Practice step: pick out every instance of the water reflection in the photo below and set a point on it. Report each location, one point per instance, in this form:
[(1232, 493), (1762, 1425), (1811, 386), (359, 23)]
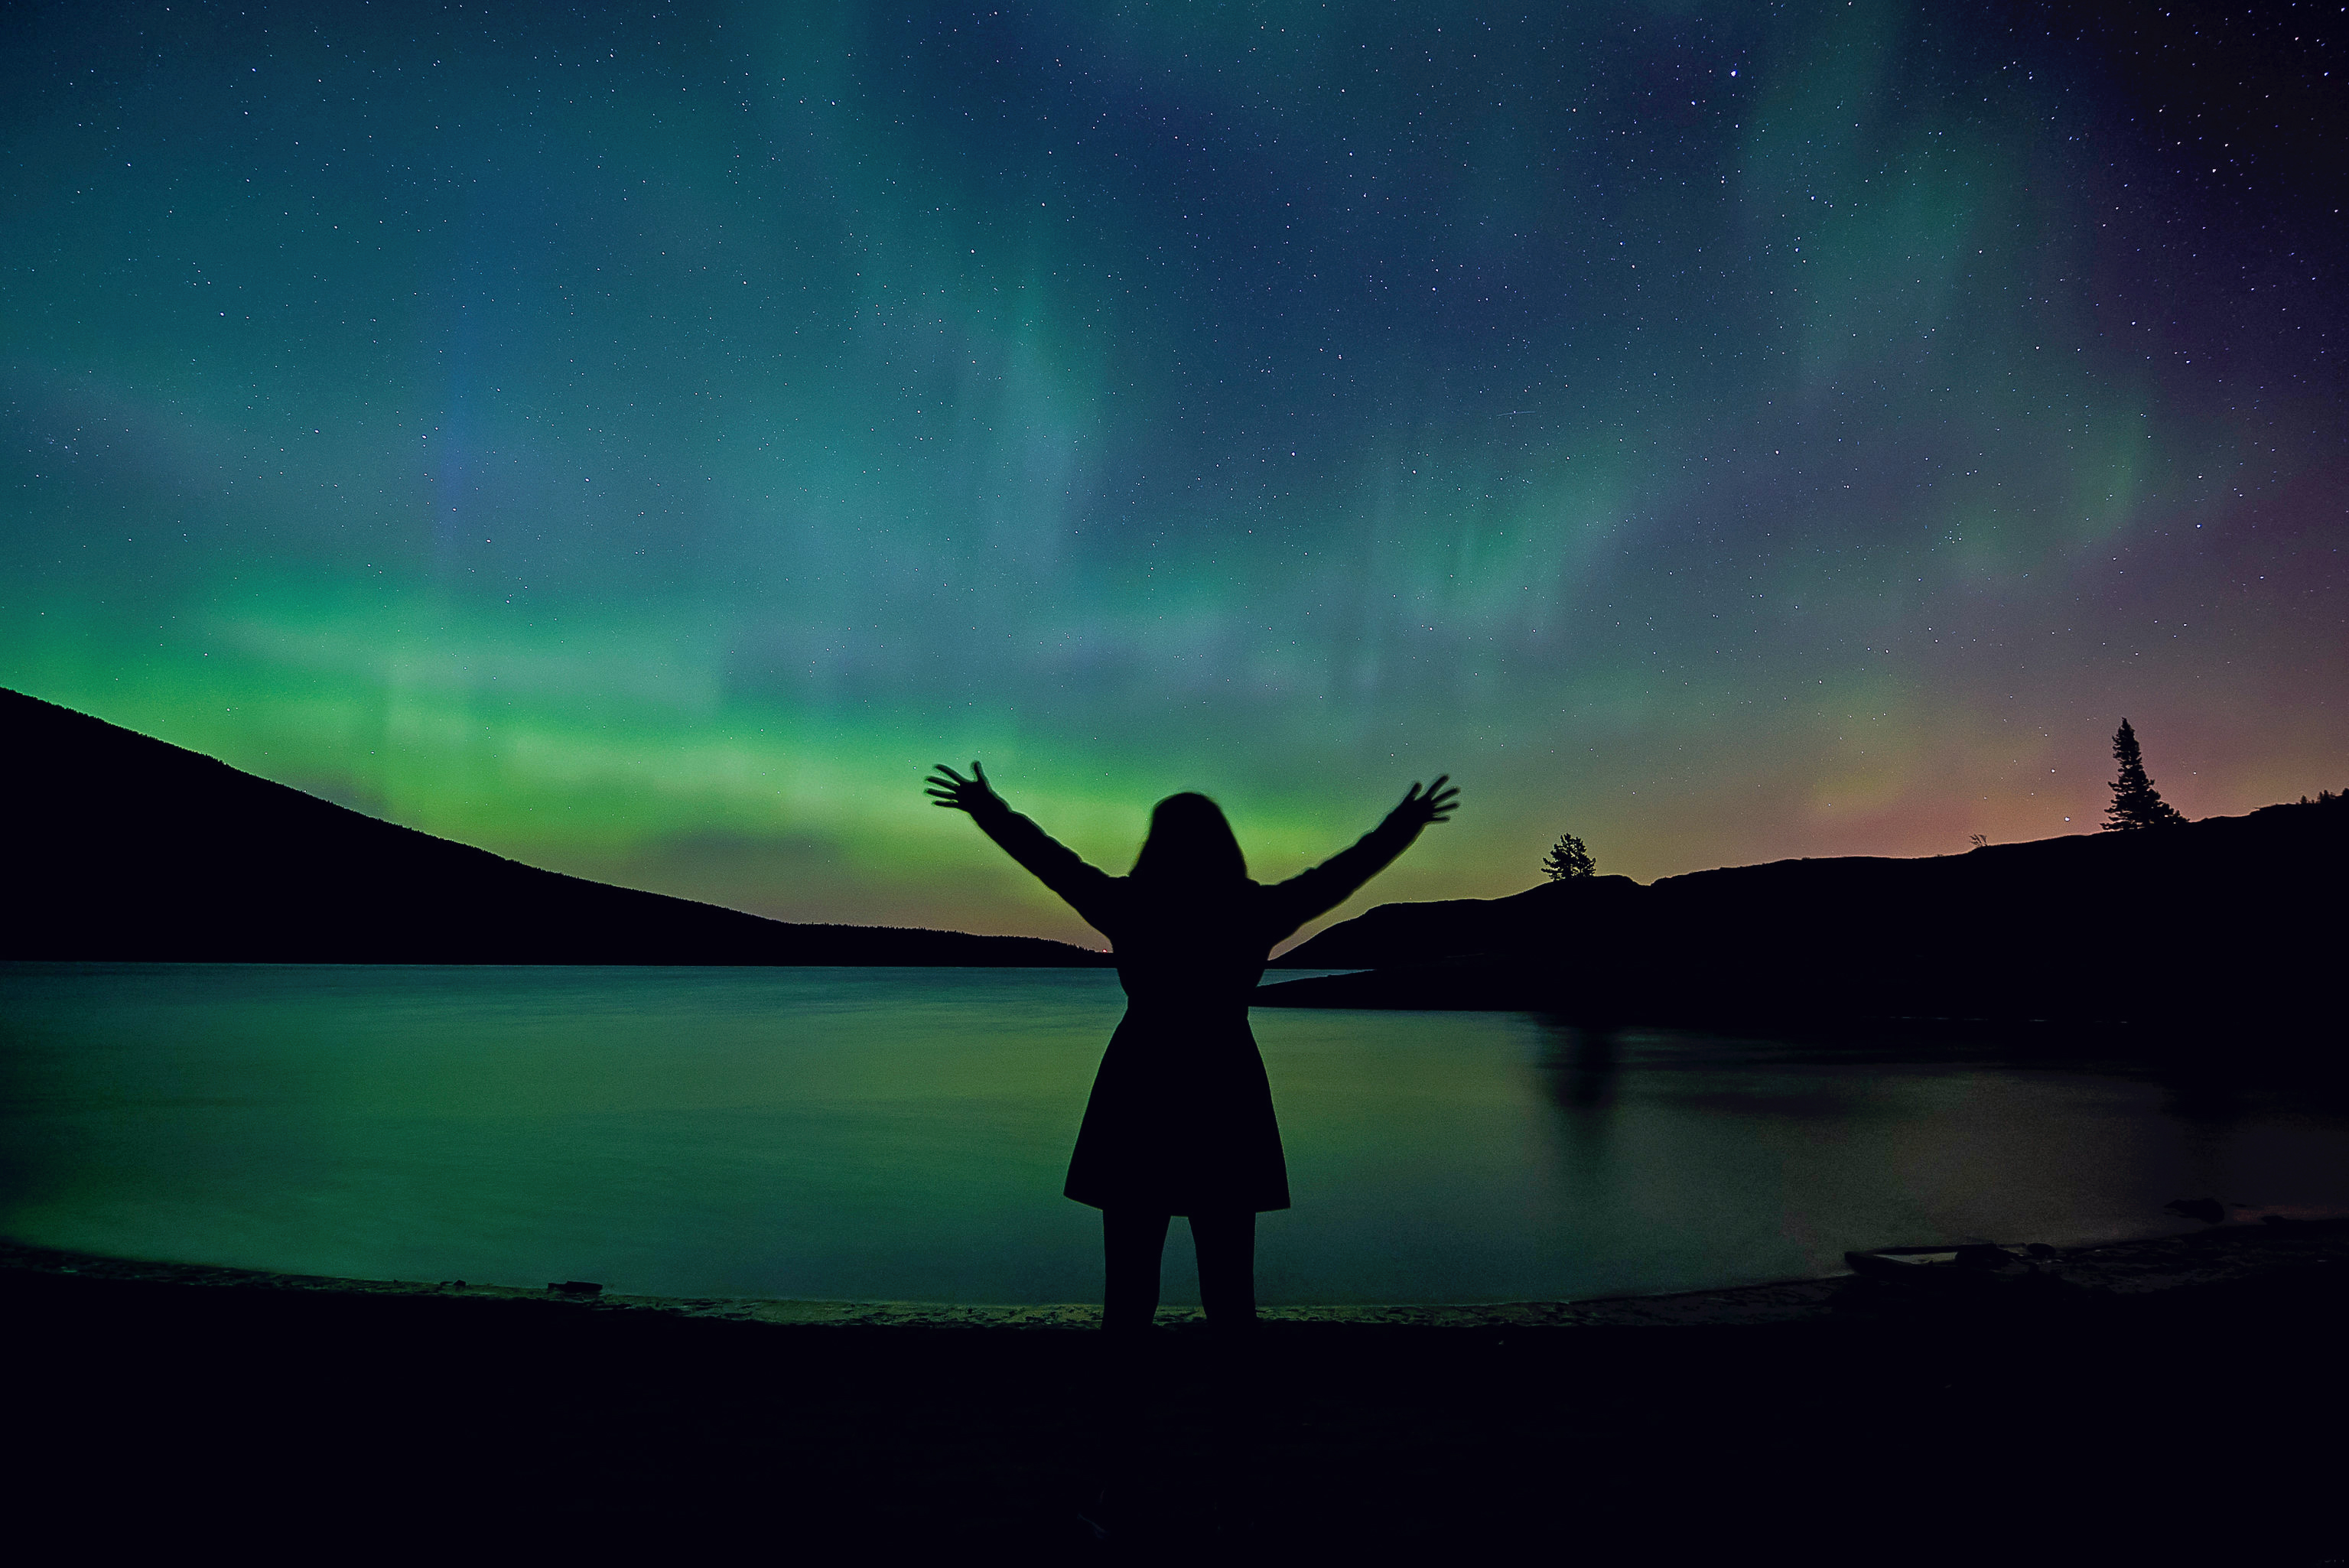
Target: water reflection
[(1575, 1064), (901, 1134)]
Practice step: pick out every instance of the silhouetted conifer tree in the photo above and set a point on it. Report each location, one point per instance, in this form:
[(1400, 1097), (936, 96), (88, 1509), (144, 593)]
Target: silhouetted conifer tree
[(1568, 858), (2135, 802)]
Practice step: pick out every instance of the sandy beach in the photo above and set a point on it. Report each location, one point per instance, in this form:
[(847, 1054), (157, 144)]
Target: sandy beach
[(2165, 1399)]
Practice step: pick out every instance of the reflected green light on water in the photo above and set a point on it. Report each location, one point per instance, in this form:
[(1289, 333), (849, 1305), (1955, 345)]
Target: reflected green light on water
[(901, 1134)]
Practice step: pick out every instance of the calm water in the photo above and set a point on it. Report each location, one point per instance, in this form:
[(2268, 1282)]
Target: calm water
[(901, 1135)]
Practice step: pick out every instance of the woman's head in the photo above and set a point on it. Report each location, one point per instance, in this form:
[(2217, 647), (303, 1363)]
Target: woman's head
[(1190, 844)]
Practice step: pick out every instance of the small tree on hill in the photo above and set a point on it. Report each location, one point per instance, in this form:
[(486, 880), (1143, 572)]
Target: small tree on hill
[(1568, 858), (2135, 802)]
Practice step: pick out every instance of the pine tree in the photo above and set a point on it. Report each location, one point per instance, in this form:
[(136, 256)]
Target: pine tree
[(2135, 802), (1568, 858)]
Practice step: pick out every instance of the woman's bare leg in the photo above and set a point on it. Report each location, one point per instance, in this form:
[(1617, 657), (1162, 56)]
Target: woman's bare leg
[(1226, 1243), (1131, 1245)]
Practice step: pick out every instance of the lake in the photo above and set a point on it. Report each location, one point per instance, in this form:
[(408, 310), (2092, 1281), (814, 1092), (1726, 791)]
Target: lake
[(901, 1134)]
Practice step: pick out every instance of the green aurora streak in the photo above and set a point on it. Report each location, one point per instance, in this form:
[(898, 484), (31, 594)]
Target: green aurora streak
[(641, 445)]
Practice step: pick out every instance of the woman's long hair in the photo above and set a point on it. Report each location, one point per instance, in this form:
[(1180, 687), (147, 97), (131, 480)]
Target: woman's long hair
[(1190, 845)]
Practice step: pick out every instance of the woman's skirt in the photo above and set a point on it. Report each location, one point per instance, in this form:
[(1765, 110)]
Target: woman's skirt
[(1180, 1122)]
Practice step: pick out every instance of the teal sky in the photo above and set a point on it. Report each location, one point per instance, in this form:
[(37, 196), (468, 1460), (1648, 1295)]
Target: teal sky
[(641, 443)]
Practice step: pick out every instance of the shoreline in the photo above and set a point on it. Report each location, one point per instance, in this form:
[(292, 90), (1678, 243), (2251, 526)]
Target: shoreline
[(2138, 1401), (2231, 1252)]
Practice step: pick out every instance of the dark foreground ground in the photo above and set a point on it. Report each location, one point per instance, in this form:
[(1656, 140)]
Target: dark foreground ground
[(2015, 1418)]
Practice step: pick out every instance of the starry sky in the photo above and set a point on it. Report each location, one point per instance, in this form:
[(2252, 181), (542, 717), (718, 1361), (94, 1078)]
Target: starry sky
[(640, 440)]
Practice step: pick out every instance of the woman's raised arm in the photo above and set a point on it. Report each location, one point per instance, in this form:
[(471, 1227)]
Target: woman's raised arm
[(1087, 889), (1334, 881)]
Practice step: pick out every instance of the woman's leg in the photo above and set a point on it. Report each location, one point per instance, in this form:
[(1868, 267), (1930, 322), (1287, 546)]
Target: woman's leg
[(1131, 1245), (1226, 1243)]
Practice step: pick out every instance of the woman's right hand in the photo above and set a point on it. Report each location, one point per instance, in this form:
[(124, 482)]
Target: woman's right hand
[(1433, 805), (955, 793)]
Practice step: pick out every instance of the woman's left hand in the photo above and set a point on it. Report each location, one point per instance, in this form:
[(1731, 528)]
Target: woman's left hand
[(955, 793)]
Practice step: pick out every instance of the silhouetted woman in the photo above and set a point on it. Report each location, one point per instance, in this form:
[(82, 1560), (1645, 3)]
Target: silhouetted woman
[(1180, 1119)]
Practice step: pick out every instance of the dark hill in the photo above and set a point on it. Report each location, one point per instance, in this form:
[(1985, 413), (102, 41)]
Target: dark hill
[(128, 848), (1392, 933), (2226, 920)]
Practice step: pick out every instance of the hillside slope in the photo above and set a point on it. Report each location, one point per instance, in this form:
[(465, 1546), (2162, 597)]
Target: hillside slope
[(2232, 918), (128, 848)]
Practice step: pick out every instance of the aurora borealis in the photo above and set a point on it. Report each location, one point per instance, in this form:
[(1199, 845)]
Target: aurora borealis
[(641, 443)]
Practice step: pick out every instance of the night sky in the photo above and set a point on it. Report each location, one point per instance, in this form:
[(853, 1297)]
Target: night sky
[(642, 441)]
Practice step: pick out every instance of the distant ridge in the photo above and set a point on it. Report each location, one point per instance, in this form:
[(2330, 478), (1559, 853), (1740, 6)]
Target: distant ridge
[(126, 847), (2208, 925)]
